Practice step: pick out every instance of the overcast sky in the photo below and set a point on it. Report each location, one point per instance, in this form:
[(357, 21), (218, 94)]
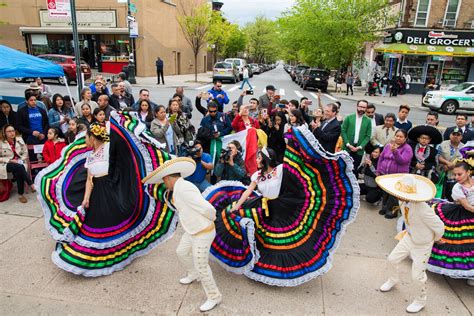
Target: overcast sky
[(243, 11)]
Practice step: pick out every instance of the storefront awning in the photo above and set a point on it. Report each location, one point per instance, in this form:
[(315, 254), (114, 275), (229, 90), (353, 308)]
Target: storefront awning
[(426, 50), (68, 30)]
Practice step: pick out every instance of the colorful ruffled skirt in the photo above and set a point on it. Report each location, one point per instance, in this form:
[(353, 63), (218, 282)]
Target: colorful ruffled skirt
[(125, 218), (454, 258), (295, 240)]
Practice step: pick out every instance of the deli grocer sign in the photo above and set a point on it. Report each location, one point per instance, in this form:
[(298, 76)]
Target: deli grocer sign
[(434, 38)]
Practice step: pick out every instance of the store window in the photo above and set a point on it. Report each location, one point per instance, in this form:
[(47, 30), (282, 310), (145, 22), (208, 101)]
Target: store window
[(451, 13), (114, 48), (422, 12), (454, 71), (414, 66)]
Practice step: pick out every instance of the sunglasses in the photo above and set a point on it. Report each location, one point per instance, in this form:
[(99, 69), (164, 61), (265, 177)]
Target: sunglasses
[(212, 111)]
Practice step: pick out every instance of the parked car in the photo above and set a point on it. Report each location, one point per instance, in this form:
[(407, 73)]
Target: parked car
[(451, 100), (225, 71), (299, 76), (240, 63), (296, 70), (256, 69), (69, 66), (315, 78)]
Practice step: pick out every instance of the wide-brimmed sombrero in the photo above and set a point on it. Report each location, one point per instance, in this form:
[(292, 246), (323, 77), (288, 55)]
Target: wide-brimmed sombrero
[(408, 187), (182, 165), (431, 131)]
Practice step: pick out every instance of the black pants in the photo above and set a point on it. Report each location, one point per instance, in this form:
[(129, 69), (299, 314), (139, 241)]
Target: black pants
[(159, 73), (349, 86), (20, 174), (357, 160), (448, 189), (389, 202)]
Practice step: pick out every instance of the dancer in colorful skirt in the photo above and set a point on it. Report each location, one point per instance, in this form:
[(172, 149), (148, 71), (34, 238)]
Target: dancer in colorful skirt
[(287, 233), (455, 258), (95, 205), (423, 229)]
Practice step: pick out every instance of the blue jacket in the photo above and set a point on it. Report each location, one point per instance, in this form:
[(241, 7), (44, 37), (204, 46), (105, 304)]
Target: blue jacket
[(54, 117), (220, 101), (221, 121)]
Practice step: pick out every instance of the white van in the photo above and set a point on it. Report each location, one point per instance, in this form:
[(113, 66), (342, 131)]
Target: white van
[(240, 63)]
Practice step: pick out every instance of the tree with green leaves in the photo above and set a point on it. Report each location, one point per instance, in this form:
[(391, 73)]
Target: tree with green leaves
[(194, 20), (262, 40), (332, 33), (227, 38)]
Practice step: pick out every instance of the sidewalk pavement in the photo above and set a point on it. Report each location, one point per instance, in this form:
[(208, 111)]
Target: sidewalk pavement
[(32, 284), (177, 80)]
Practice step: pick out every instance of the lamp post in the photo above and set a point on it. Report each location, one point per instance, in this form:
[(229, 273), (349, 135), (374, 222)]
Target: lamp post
[(131, 61), (77, 53)]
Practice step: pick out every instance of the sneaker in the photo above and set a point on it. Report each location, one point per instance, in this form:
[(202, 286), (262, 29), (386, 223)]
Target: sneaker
[(470, 282), (415, 307), (187, 280), (391, 215), (210, 304), (22, 199), (387, 286), (382, 212)]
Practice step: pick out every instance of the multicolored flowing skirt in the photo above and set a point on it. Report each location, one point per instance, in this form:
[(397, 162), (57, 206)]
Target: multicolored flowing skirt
[(125, 219), (454, 258), (295, 241)]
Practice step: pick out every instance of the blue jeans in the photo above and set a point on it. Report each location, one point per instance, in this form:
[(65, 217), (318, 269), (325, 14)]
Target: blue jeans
[(246, 80), (202, 186)]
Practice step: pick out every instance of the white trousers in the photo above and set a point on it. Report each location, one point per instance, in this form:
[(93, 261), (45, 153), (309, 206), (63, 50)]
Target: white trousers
[(193, 252), (420, 255)]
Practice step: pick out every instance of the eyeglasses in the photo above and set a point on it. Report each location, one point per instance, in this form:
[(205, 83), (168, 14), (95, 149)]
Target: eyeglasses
[(218, 86), (212, 111)]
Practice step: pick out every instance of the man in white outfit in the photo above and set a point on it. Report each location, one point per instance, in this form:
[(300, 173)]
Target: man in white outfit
[(423, 228), (196, 216)]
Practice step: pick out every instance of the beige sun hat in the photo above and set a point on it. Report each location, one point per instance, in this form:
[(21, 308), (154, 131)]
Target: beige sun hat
[(408, 187), (182, 165)]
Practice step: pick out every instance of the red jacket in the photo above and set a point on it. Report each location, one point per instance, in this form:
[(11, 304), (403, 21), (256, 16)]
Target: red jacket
[(52, 151), (238, 124)]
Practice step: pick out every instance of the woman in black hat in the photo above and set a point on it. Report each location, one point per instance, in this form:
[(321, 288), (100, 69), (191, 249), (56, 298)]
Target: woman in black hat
[(424, 156)]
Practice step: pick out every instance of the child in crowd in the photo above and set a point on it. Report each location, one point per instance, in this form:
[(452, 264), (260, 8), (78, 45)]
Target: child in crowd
[(53, 146)]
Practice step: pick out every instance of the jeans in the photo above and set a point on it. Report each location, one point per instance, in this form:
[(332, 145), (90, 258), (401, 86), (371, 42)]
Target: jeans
[(21, 176), (384, 90), (203, 185), (193, 252), (246, 81), (349, 86)]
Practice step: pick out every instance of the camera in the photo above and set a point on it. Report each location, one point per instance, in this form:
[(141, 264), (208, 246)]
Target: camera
[(225, 154), (249, 92), (188, 150)]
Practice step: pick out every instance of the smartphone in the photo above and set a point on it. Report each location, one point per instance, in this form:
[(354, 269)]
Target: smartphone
[(281, 106), (309, 102), (264, 112), (172, 118), (249, 92)]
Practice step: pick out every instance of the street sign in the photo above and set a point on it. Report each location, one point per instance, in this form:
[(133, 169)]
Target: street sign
[(133, 8), (133, 29), (59, 8)]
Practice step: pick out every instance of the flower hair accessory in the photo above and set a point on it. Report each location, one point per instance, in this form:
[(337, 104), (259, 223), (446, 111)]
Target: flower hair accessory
[(99, 131)]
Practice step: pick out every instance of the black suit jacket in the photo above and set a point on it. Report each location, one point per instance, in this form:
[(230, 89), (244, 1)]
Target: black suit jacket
[(328, 136), (466, 136), (430, 161), (379, 120)]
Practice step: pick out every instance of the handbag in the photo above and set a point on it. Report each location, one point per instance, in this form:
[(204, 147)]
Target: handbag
[(5, 189)]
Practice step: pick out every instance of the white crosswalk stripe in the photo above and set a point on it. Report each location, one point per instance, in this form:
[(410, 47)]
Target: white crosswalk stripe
[(282, 91), (233, 88), (314, 95), (264, 90), (298, 94), (330, 97), (203, 87)]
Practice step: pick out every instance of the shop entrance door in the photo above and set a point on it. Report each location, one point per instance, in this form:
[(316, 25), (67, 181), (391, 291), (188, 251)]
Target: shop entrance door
[(432, 73)]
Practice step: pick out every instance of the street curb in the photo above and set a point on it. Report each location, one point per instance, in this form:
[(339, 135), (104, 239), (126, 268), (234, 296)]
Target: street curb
[(384, 104)]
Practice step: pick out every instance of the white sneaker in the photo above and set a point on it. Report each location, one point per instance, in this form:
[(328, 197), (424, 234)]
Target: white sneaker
[(415, 307), (387, 286), (188, 280), (210, 304), (470, 282)]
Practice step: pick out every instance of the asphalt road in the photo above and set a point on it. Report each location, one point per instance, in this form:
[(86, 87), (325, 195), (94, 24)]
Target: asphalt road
[(277, 77)]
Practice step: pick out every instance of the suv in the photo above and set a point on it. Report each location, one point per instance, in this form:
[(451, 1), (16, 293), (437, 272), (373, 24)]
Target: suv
[(297, 70), (315, 78), (449, 101), (240, 63), (69, 66), (225, 71)]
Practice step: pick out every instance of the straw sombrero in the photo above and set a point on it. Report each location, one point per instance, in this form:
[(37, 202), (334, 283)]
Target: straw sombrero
[(409, 187), (431, 131), (182, 165)]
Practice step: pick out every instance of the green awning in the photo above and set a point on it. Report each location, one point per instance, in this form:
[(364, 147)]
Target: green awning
[(426, 50)]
